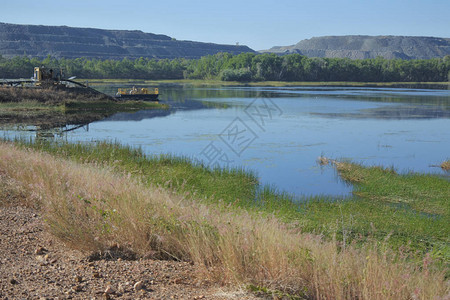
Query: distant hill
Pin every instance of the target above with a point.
(363, 46)
(71, 42)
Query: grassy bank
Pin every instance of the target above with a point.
(408, 212)
(50, 108)
(49, 96)
(93, 201)
(12, 98)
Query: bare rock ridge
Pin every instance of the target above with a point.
(363, 46)
(71, 42)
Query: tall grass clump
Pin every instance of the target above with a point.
(445, 165)
(95, 206)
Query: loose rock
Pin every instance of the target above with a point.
(109, 290)
(40, 251)
(138, 285)
(96, 275)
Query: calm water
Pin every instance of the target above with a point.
(280, 132)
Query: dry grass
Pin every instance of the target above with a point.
(323, 161)
(93, 208)
(49, 95)
(446, 165)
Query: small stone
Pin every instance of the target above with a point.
(106, 296)
(96, 275)
(78, 278)
(138, 285)
(77, 288)
(42, 260)
(13, 281)
(40, 250)
(109, 290)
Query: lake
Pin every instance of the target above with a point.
(280, 132)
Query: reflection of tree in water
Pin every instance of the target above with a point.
(58, 132)
(174, 106)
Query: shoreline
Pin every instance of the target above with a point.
(200, 82)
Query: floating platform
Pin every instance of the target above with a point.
(137, 94)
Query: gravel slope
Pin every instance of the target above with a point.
(35, 265)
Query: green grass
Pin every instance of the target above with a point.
(411, 212)
(28, 106)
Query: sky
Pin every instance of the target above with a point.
(257, 24)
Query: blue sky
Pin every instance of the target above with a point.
(258, 24)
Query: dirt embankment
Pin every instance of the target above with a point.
(52, 95)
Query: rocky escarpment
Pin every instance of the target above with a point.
(361, 46)
(70, 42)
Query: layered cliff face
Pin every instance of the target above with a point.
(360, 47)
(70, 42)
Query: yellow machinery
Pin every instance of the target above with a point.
(45, 77)
(42, 74)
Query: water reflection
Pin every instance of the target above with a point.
(394, 112)
(49, 125)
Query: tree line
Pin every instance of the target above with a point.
(243, 67)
